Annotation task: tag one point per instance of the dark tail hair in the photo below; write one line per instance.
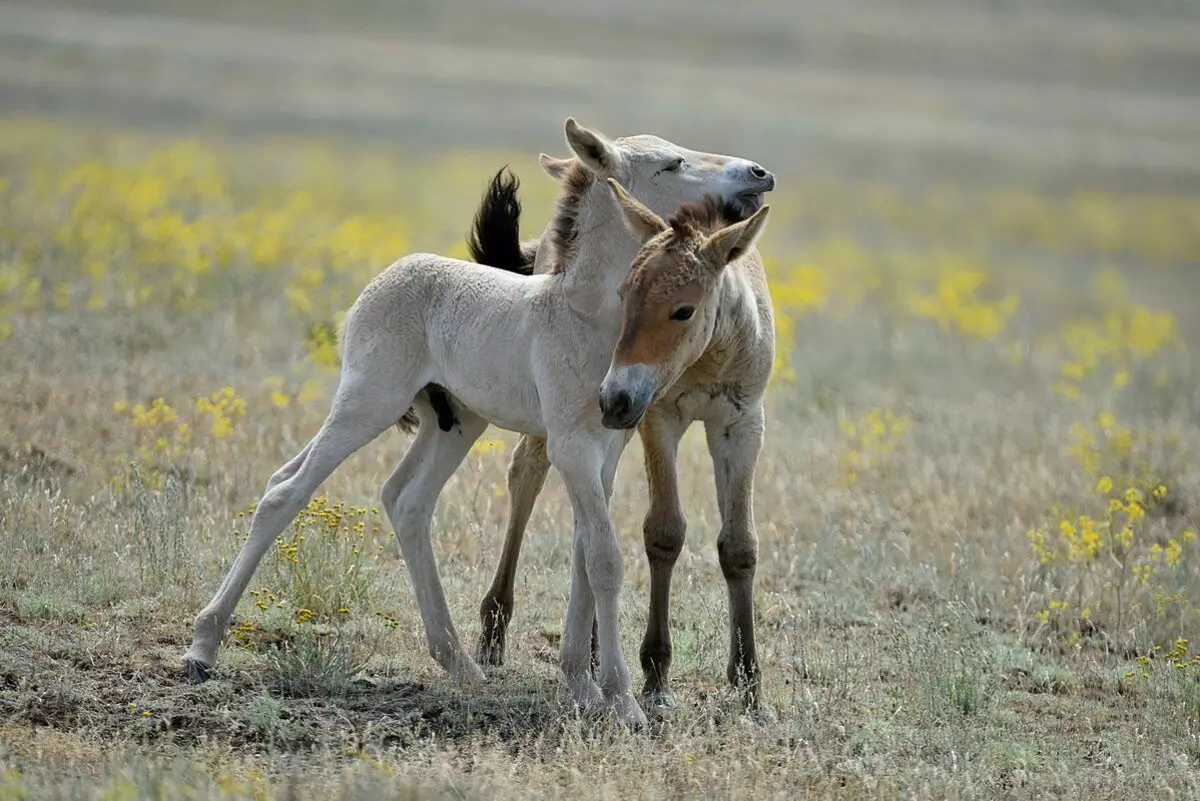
(495, 236)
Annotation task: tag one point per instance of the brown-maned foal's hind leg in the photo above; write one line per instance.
(663, 531)
(734, 446)
(526, 476)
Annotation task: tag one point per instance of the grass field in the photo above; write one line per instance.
(979, 498)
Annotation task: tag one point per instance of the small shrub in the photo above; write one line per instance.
(313, 664)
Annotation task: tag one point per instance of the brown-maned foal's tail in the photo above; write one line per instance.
(494, 241)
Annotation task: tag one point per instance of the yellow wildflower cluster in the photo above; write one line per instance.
(222, 408)
(870, 440)
(133, 222)
(1079, 539)
(1110, 347)
(167, 442)
(1160, 229)
(486, 445)
(1112, 557)
(1179, 657)
(793, 294)
(323, 561)
(956, 304)
(1112, 455)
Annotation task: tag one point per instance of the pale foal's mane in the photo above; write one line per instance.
(564, 224)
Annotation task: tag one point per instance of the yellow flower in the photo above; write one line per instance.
(1104, 485)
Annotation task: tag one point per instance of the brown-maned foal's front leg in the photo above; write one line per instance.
(734, 446)
(526, 476)
(663, 531)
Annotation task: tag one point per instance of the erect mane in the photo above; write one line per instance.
(564, 226)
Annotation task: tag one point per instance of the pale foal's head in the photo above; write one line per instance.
(661, 174)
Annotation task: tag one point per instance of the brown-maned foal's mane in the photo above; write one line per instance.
(703, 216)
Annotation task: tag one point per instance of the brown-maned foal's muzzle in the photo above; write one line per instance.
(625, 394)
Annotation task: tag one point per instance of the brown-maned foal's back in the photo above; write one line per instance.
(697, 343)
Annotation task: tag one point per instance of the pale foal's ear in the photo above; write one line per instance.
(732, 242)
(641, 222)
(555, 168)
(596, 152)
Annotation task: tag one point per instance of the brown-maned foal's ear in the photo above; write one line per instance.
(641, 222)
(555, 168)
(596, 152)
(732, 242)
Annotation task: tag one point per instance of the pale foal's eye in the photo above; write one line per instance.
(683, 313)
(673, 166)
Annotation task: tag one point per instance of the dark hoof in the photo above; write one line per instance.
(660, 704)
(758, 709)
(490, 652)
(196, 671)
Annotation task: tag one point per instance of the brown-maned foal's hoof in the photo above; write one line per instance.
(660, 704)
(490, 652)
(762, 713)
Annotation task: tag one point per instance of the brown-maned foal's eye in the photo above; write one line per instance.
(683, 313)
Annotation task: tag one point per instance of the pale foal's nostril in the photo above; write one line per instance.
(757, 171)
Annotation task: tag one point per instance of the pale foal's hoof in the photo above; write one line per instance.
(586, 693)
(195, 670)
(624, 710)
(464, 671)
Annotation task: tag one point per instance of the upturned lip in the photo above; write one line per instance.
(751, 200)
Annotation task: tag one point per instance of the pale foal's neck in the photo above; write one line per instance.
(604, 251)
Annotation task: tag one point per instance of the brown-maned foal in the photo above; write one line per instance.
(697, 343)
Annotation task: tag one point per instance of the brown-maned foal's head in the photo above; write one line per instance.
(669, 299)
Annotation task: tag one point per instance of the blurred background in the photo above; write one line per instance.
(1083, 91)
(978, 500)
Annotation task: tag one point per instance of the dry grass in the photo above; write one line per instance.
(960, 365)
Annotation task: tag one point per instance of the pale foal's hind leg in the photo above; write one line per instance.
(352, 422)
(526, 476)
(663, 532)
(587, 469)
(410, 496)
(734, 447)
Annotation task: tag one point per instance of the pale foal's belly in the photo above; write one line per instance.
(508, 404)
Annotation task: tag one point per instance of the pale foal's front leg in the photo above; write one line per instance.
(734, 446)
(587, 469)
(353, 421)
(410, 496)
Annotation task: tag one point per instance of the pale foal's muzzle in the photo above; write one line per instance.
(625, 393)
